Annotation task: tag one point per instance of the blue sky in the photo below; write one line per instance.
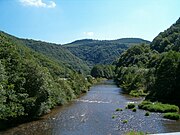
(63, 21)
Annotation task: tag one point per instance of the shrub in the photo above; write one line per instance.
(172, 116)
(158, 107)
(118, 109)
(113, 117)
(147, 114)
(137, 93)
(134, 109)
(130, 105)
(125, 121)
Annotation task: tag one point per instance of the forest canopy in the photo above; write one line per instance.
(153, 70)
(32, 83)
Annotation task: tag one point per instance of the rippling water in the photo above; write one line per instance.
(92, 113)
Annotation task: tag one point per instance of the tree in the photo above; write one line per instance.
(166, 87)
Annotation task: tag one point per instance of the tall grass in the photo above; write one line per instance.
(158, 107)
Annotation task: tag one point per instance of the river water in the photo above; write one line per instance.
(92, 114)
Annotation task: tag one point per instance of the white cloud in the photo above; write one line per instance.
(89, 34)
(38, 3)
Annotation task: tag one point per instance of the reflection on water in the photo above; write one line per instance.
(92, 115)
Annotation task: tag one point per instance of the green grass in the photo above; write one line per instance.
(172, 116)
(135, 133)
(118, 109)
(130, 106)
(137, 93)
(158, 107)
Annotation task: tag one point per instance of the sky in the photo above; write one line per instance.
(63, 21)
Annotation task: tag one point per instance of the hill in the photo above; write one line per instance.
(101, 51)
(32, 83)
(168, 40)
(54, 51)
(58, 53)
(153, 70)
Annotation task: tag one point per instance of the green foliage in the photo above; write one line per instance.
(90, 79)
(137, 93)
(142, 71)
(113, 117)
(168, 40)
(101, 51)
(134, 80)
(125, 121)
(158, 107)
(119, 109)
(147, 114)
(135, 133)
(166, 87)
(130, 105)
(103, 71)
(31, 83)
(172, 116)
(58, 53)
(134, 110)
(132, 72)
(167, 74)
(138, 55)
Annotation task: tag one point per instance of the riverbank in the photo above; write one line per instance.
(92, 114)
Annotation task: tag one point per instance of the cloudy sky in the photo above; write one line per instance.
(63, 21)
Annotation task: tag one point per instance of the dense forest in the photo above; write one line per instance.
(104, 71)
(101, 51)
(32, 83)
(58, 53)
(153, 70)
(55, 52)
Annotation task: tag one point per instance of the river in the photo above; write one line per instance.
(91, 114)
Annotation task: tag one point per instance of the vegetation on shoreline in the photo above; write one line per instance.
(158, 107)
(135, 133)
(147, 114)
(118, 109)
(172, 116)
(31, 84)
(130, 106)
(152, 71)
(103, 71)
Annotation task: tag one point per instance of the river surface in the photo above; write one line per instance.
(91, 114)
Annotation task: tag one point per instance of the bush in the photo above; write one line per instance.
(158, 107)
(130, 105)
(118, 109)
(147, 114)
(137, 93)
(113, 117)
(134, 109)
(125, 121)
(172, 116)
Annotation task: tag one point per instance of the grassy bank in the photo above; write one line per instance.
(172, 116)
(171, 111)
(158, 107)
